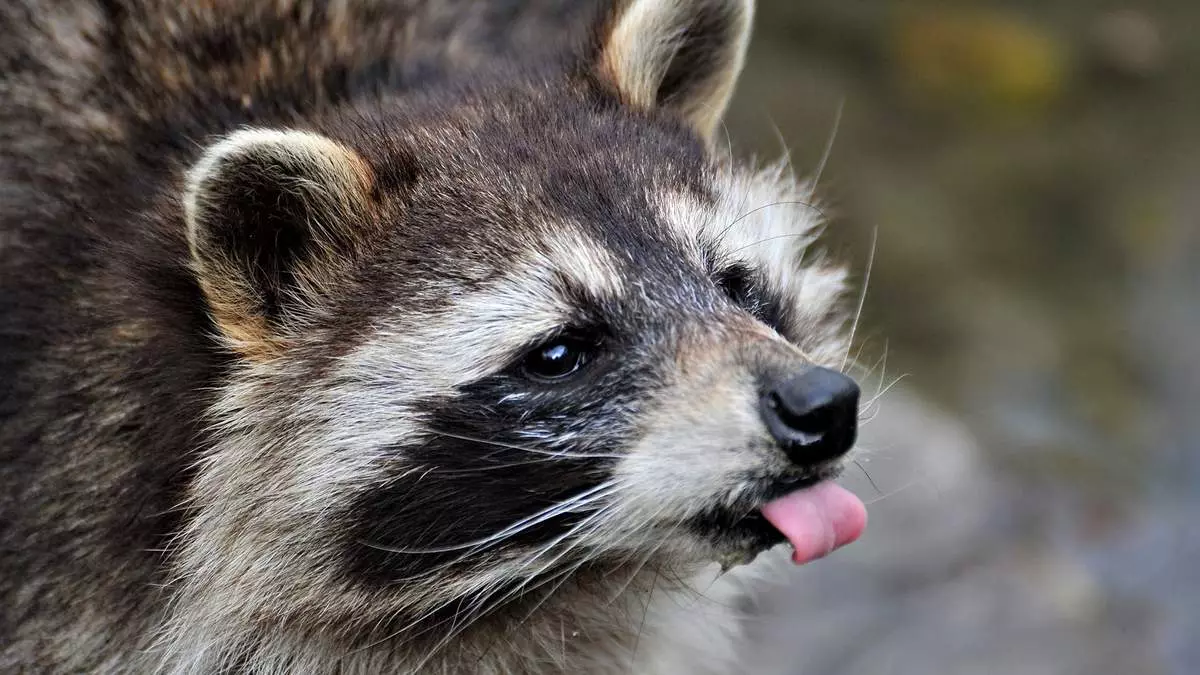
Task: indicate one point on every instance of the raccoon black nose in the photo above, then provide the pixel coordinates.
(813, 415)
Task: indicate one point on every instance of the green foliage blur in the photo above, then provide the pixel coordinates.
(1027, 170)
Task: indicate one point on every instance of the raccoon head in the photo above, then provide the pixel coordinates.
(507, 334)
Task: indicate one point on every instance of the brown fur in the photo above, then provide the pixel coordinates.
(106, 350)
(253, 253)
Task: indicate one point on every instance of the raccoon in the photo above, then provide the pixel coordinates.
(409, 336)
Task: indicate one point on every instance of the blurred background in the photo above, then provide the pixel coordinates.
(1026, 177)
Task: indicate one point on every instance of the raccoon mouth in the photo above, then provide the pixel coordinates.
(815, 515)
(817, 520)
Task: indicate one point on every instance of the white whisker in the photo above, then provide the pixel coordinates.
(784, 202)
(523, 448)
(481, 607)
(584, 498)
(897, 491)
(837, 123)
(862, 298)
(763, 241)
(885, 390)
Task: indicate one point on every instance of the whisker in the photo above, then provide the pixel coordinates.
(625, 560)
(897, 491)
(645, 612)
(862, 298)
(596, 517)
(867, 414)
(492, 467)
(561, 576)
(885, 390)
(728, 148)
(584, 498)
(480, 606)
(523, 448)
(883, 364)
(729, 174)
(856, 362)
(868, 475)
(880, 389)
(784, 202)
(837, 123)
(868, 418)
(786, 157)
(864, 373)
(792, 235)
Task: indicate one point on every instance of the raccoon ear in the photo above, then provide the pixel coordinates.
(684, 55)
(274, 219)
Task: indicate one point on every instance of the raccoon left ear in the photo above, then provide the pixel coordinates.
(275, 221)
(682, 55)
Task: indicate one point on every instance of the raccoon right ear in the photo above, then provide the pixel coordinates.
(275, 219)
(680, 55)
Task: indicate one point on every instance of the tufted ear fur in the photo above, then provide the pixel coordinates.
(275, 219)
(684, 55)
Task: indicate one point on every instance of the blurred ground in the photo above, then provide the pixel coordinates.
(1030, 173)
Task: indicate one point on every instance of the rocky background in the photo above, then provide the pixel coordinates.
(1024, 177)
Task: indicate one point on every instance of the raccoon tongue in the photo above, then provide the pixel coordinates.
(817, 520)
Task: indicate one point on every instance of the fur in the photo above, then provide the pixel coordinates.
(271, 278)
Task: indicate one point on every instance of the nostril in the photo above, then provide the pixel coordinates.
(813, 419)
(813, 415)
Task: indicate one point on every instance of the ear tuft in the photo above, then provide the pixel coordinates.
(274, 219)
(682, 55)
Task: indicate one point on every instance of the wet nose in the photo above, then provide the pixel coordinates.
(813, 415)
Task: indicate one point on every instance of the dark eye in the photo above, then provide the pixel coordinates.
(557, 359)
(748, 290)
(735, 282)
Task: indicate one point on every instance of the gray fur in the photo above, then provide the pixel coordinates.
(216, 456)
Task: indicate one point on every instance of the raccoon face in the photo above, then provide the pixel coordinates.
(504, 335)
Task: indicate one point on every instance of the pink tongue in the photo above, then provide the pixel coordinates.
(817, 520)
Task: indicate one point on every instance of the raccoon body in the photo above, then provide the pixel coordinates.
(392, 336)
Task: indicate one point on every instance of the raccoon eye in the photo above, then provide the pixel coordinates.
(745, 289)
(557, 359)
(735, 282)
